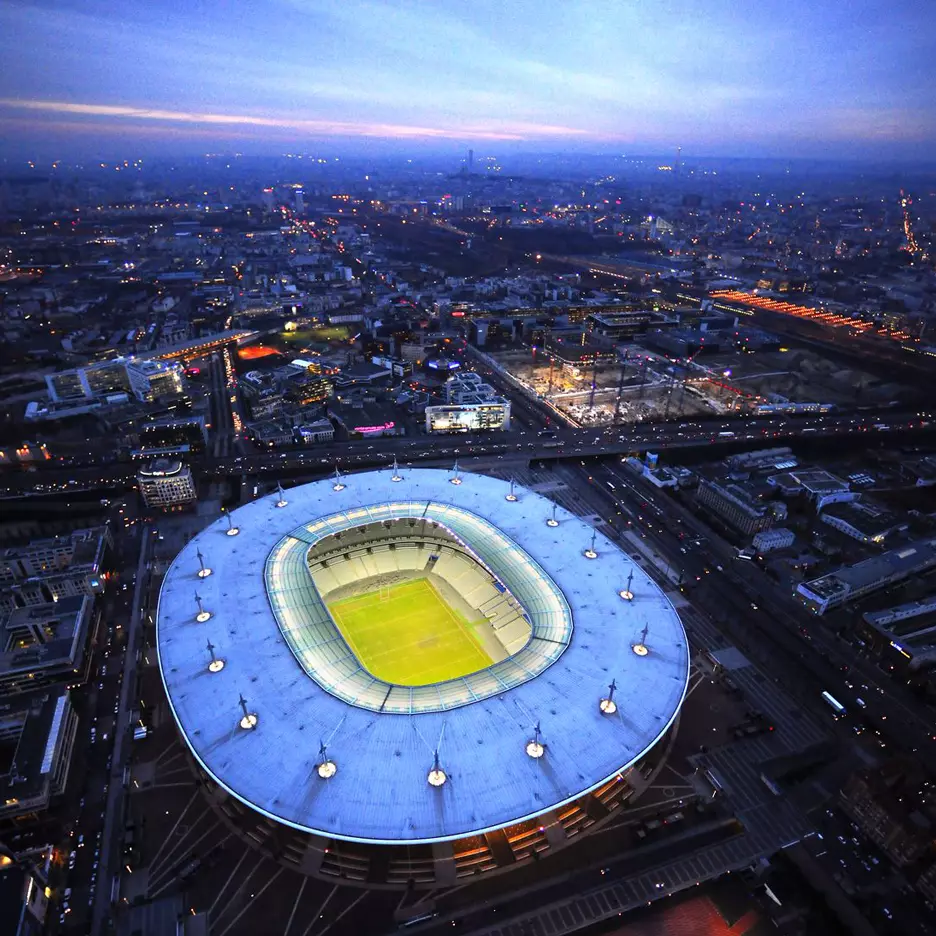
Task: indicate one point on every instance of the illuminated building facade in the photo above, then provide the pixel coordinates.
(166, 484)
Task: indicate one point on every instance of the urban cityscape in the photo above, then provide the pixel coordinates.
(412, 520)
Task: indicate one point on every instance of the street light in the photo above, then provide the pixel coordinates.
(339, 484)
(511, 496)
(231, 530)
(396, 476)
(535, 747)
(626, 593)
(608, 706)
(590, 552)
(552, 521)
(641, 648)
(455, 479)
(282, 502)
(326, 768)
(249, 719)
(436, 775)
(203, 571)
(216, 665)
(202, 615)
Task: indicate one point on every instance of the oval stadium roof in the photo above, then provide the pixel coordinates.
(380, 792)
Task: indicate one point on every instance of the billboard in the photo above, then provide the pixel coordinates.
(468, 417)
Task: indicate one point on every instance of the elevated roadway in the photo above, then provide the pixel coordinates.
(710, 439)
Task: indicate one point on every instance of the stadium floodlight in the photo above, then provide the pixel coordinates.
(511, 496)
(626, 593)
(396, 476)
(436, 775)
(202, 615)
(535, 747)
(607, 706)
(326, 768)
(640, 648)
(282, 502)
(203, 571)
(231, 530)
(552, 521)
(249, 719)
(455, 479)
(216, 664)
(339, 485)
(590, 552)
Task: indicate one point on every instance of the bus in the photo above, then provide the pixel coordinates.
(834, 704)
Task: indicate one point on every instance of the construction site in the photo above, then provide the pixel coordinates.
(636, 384)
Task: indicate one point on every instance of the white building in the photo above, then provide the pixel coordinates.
(319, 431)
(146, 379)
(150, 379)
(470, 405)
(767, 540)
(166, 484)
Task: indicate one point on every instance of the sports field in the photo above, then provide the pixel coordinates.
(407, 634)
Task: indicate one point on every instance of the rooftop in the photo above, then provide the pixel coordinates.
(31, 727)
(380, 792)
(161, 467)
(890, 566)
(819, 481)
(42, 636)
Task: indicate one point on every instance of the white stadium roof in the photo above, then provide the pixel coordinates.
(380, 792)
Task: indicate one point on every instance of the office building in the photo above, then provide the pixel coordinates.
(166, 484)
(145, 379)
(261, 394)
(86, 383)
(777, 538)
(25, 897)
(321, 430)
(150, 379)
(40, 727)
(620, 325)
(737, 506)
(269, 433)
(45, 644)
(51, 569)
(862, 521)
(172, 436)
(470, 405)
(852, 582)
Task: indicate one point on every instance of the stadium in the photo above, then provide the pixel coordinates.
(403, 677)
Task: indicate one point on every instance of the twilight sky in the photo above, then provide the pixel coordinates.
(723, 77)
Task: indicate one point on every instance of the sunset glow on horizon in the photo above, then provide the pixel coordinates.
(791, 78)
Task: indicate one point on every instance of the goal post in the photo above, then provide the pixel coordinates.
(384, 593)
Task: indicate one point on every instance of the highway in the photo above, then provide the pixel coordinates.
(565, 442)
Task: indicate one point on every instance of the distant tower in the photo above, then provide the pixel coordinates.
(471, 160)
(299, 200)
(678, 165)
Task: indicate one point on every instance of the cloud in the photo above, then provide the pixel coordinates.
(312, 127)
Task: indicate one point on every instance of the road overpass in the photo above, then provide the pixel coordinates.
(703, 440)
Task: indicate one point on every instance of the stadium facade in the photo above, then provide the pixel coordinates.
(332, 767)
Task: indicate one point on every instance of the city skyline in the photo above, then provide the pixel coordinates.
(787, 80)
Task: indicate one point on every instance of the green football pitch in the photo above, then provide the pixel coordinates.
(407, 634)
